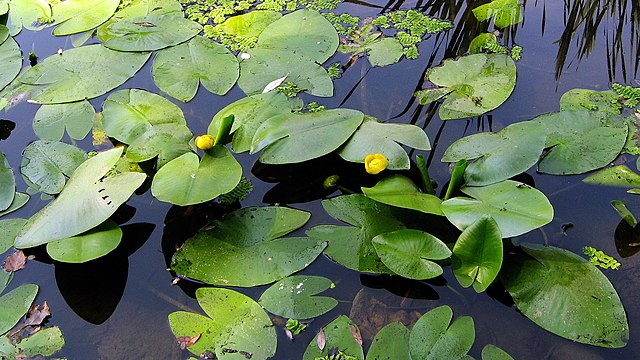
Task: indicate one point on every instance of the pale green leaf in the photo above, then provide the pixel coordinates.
(75, 16)
(47, 164)
(504, 12)
(14, 304)
(27, 13)
(51, 121)
(11, 60)
(7, 183)
(9, 229)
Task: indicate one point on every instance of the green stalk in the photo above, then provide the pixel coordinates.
(424, 174)
(457, 178)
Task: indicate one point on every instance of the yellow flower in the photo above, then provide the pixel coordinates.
(375, 163)
(204, 142)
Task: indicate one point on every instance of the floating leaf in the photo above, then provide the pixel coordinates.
(46, 164)
(19, 200)
(478, 83)
(179, 70)
(9, 229)
(7, 183)
(337, 337)
(293, 297)
(409, 252)
(14, 304)
(50, 121)
(432, 338)
(154, 31)
(398, 190)
(235, 327)
(504, 12)
(27, 13)
(244, 248)
(86, 201)
(581, 99)
(478, 254)
(15, 262)
(390, 343)
(619, 175)
(298, 137)
(292, 46)
(76, 16)
(11, 60)
(45, 342)
(81, 73)
(581, 141)
(492, 352)
(384, 52)
(188, 179)
(517, 208)
(249, 113)
(373, 137)
(88, 246)
(548, 287)
(498, 156)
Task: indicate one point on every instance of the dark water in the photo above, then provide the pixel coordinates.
(117, 307)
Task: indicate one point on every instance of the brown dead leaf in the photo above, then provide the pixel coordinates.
(37, 314)
(186, 341)
(356, 334)
(15, 261)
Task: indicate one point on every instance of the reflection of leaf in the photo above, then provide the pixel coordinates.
(293, 297)
(46, 164)
(432, 338)
(76, 16)
(548, 287)
(50, 121)
(336, 335)
(506, 12)
(235, 327)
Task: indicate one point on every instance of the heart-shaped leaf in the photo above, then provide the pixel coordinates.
(76, 16)
(478, 254)
(293, 297)
(88, 246)
(14, 304)
(432, 338)
(390, 343)
(338, 334)
(46, 164)
(398, 190)
(50, 121)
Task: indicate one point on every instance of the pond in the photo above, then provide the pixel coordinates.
(135, 297)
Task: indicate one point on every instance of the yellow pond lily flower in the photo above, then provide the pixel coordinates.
(375, 163)
(204, 142)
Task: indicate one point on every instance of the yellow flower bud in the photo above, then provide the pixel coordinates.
(204, 142)
(375, 163)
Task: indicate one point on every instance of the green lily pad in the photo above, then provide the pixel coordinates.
(244, 248)
(298, 137)
(373, 137)
(7, 183)
(180, 69)
(88, 199)
(398, 190)
(293, 297)
(475, 84)
(81, 73)
(517, 208)
(188, 179)
(46, 164)
(477, 254)
(249, 25)
(27, 13)
(338, 334)
(154, 31)
(149, 123)
(385, 51)
(390, 343)
(14, 304)
(4, 7)
(581, 141)
(235, 326)
(433, 338)
(492, 352)
(409, 252)
(19, 200)
(45, 342)
(88, 246)
(498, 156)
(11, 60)
(581, 99)
(504, 12)
(292, 46)
(619, 175)
(249, 114)
(50, 121)
(76, 16)
(9, 229)
(548, 287)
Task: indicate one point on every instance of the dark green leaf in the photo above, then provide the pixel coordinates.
(293, 297)
(432, 338)
(398, 190)
(338, 334)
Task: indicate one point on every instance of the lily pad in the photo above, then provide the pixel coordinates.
(504, 12)
(249, 25)
(76, 16)
(517, 208)
(548, 287)
(581, 99)
(180, 69)
(154, 31)
(433, 338)
(235, 326)
(19, 200)
(11, 60)
(581, 141)
(9, 229)
(292, 47)
(14, 304)
(27, 13)
(409, 252)
(619, 175)
(298, 137)
(245, 248)
(88, 199)
(338, 334)
(373, 137)
(50, 121)
(188, 179)
(475, 84)
(390, 343)
(477, 254)
(47, 164)
(81, 73)
(88, 246)
(249, 114)
(45, 342)
(293, 297)
(398, 190)
(385, 51)
(492, 352)
(498, 156)
(7, 183)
